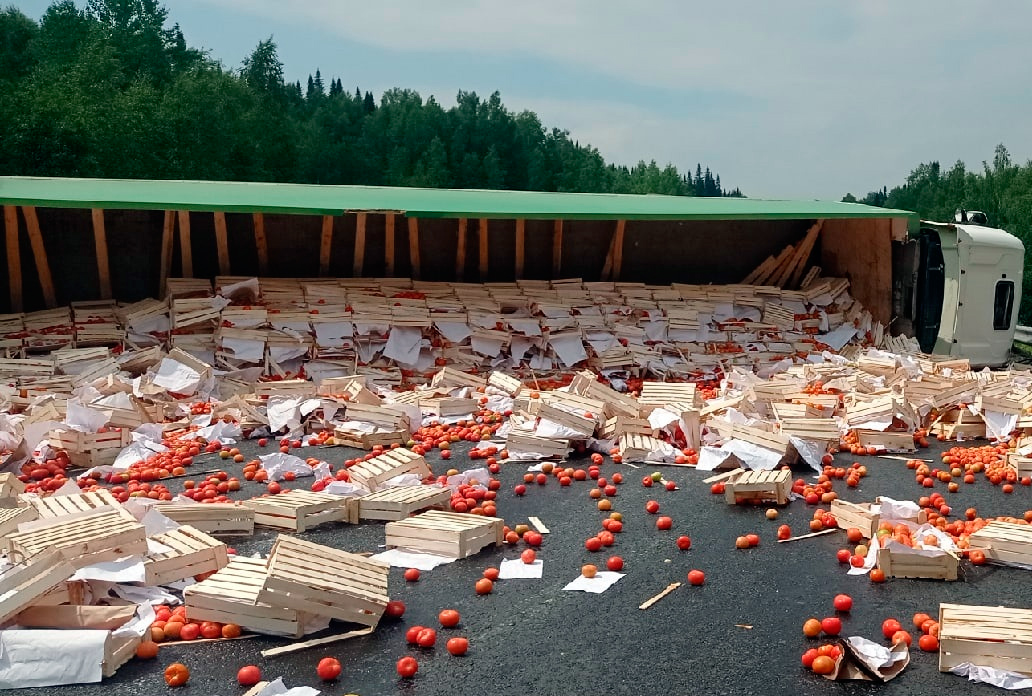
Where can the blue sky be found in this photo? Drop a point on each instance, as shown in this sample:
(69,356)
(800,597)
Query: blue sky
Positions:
(794,99)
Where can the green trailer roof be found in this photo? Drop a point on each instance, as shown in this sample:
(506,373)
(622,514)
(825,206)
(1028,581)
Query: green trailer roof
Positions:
(247,197)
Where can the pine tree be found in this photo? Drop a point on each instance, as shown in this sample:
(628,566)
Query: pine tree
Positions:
(319,88)
(700,184)
(262,70)
(368,103)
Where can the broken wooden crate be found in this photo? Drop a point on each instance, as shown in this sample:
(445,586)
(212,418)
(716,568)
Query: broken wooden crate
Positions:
(28,579)
(299,510)
(342,586)
(755,487)
(938,564)
(958,423)
(450,534)
(401,501)
(373,473)
(91,449)
(855,515)
(231,596)
(218,519)
(1004,542)
(996,637)
(10,489)
(191,552)
(83,539)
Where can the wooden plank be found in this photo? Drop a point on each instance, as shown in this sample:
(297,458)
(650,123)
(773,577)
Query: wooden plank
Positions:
(808,536)
(521,240)
(326,245)
(804,254)
(413,246)
(557,248)
(39,254)
(460,250)
(168,229)
(618,246)
(261,243)
(389,244)
(185,244)
(759,270)
(100,242)
(314,642)
(779,260)
(360,231)
(652,600)
(222,243)
(14,274)
(483,248)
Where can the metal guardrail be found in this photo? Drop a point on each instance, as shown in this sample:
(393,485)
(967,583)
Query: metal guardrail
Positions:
(1023,334)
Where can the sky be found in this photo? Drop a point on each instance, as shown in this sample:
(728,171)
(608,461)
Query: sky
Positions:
(787,99)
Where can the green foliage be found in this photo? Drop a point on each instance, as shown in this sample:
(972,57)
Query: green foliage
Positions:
(1002,190)
(112,91)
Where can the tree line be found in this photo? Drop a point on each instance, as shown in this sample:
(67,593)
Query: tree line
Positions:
(113,91)
(1001,189)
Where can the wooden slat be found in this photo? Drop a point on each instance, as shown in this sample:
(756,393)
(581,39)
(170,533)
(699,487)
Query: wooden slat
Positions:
(326,245)
(614,259)
(413,246)
(14,274)
(222,243)
(521,240)
(100,241)
(389,244)
(360,231)
(804,254)
(168,229)
(483,248)
(39,254)
(557,248)
(185,244)
(460,250)
(260,243)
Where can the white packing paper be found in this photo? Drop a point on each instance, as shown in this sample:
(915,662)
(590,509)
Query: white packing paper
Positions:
(399,558)
(124,570)
(83,418)
(279,463)
(403,344)
(454,331)
(602,581)
(43,657)
(1000,425)
(278,688)
(753,456)
(490,347)
(839,337)
(516,569)
(176,377)
(569,348)
(996,677)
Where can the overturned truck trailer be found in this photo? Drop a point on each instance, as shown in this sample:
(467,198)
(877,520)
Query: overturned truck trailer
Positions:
(954,287)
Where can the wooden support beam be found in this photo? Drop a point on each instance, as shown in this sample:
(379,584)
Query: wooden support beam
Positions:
(804,255)
(222,243)
(557,249)
(413,245)
(460,250)
(39,254)
(14,275)
(100,241)
(389,244)
(261,243)
(483,249)
(359,260)
(521,243)
(326,245)
(614,259)
(185,244)
(168,229)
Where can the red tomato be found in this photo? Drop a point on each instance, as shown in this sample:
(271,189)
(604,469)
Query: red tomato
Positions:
(843,602)
(528,556)
(449,618)
(426,638)
(249,675)
(831,625)
(696,577)
(664,523)
(395,609)
(328,668)
(412,574)
(412,634)
(457,645)
(614,563)
(889,627)
(189,631)
(684,543)
(407,667)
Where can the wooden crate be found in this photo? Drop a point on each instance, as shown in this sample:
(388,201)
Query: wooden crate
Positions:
(634,447)
(10,518)
(401,502)
(381,415)
(10,487)
(342,586)
(367,441)
(887,441)
(858,515)
(373,473)
(450,534)
(1004,542)
(620,424)
(901,564)
(285,388)
(91,449)
(959,423)
(771,486)
(574,422)
(231,596)
(546,448)
(997,637)
(448,406)
(118,649)
(299,510)
(503,382)
(192,553)
(218,519)
(449,378)
(819,429)
(83,539)
(1022,465)
(29,579)
(657,394)
(55,506)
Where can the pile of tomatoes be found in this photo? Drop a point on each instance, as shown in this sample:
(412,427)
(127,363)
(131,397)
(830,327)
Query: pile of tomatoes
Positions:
(48,476)
(173,625)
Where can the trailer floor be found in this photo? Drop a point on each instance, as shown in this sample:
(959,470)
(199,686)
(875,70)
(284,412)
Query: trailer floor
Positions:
(740,633)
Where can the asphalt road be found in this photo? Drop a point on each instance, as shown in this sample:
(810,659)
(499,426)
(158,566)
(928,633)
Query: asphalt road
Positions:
(740,633)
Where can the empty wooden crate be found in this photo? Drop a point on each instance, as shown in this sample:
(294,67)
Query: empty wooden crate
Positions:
(191,552)
(745,486)
(299,510)
(1005,542)
(231,596)
(91,449)
(936,564)
(341,585)
(23,583)
(451,534)
(373,473)
(997,637)
(399,502)
(54,506)
(83,539)
(218,519)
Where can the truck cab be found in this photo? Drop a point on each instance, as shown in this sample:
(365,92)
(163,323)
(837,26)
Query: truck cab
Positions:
(959,289)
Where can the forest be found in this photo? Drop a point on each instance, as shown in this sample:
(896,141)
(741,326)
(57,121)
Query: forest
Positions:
(1001,189)
(114,91)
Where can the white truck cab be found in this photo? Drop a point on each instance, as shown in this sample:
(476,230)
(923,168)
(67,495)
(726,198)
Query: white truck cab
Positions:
(960,289)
